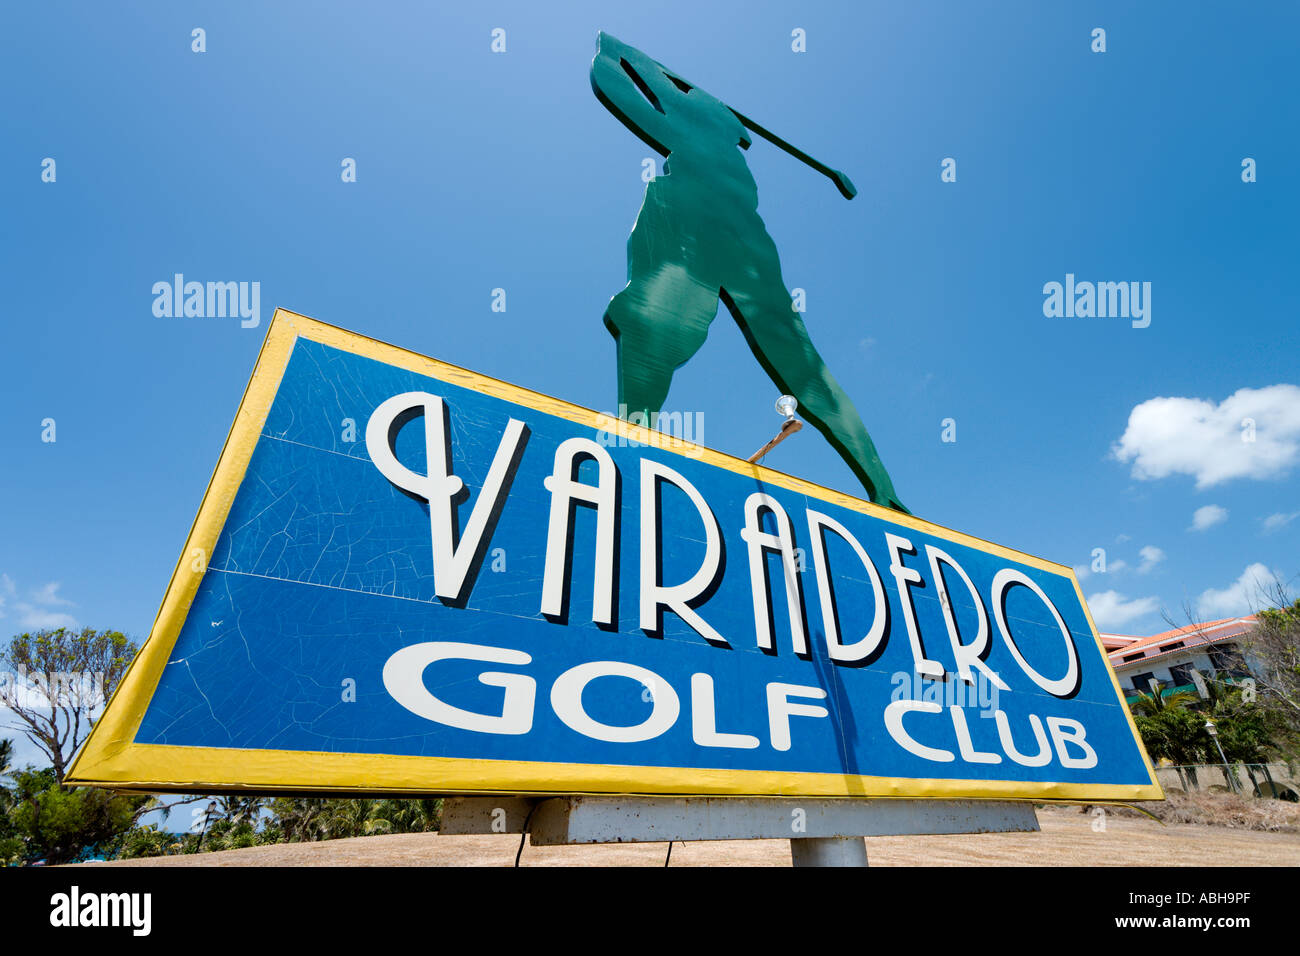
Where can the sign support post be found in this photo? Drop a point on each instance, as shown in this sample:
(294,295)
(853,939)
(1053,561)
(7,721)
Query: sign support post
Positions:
(829,851)
(822,832)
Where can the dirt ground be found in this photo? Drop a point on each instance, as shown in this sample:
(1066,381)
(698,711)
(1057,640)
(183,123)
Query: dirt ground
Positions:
(1068,838)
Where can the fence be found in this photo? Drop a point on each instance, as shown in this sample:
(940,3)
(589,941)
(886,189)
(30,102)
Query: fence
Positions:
(1275,780)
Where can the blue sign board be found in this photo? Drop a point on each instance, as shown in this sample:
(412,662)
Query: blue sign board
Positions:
(408,578)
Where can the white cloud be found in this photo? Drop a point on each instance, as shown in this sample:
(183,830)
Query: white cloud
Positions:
(49,597)
(35,613)
(1276,522)
(1253,433)
(1112,566)
(1112,610)
(1151,556)
(1109,567)
(37,619)
(1121,538)
(1241,597)
(1208,516)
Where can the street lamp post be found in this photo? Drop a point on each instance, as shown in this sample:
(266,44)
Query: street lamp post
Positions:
(1227,772)
(207,818)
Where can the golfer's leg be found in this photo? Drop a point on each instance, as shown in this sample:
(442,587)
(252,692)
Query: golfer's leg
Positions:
(780,342)
(659,321)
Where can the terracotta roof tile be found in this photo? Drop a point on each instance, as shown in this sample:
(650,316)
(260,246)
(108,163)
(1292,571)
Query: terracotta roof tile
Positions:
(1205,630)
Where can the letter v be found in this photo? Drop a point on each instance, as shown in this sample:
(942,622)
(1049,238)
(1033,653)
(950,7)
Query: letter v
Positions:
(456,557)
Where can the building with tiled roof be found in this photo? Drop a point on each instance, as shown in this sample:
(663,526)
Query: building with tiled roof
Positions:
(1213,649)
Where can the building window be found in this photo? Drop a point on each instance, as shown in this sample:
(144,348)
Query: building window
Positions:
(1174,646)
(1135,657)
(1227,661)
(1142,682)
(1181,674)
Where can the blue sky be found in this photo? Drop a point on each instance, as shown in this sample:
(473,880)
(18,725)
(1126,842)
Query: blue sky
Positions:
(479,170)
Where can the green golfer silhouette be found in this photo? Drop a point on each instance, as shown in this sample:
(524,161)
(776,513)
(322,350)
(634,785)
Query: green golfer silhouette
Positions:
(699,238)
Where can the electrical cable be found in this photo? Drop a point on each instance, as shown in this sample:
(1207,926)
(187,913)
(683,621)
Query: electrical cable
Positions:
(524,835)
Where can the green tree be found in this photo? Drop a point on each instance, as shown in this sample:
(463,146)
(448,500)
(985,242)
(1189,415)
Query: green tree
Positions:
(1174,734)
(146,841)
(11,846)
(1171,730)
(301,819)
(59,679)
(1243,727)
(225,835)
(58,824)
(304,819)
(1272,649)
(415,815)
(241,809)
(1248,731)
(1157,701)
(347,818)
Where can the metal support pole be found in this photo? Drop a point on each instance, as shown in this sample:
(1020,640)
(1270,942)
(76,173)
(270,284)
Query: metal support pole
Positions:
(788,428)
(829,851)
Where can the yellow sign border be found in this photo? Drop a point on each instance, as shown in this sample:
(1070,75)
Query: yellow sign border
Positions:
(110,758)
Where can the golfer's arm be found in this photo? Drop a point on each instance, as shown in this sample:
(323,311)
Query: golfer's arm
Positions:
(841,180)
